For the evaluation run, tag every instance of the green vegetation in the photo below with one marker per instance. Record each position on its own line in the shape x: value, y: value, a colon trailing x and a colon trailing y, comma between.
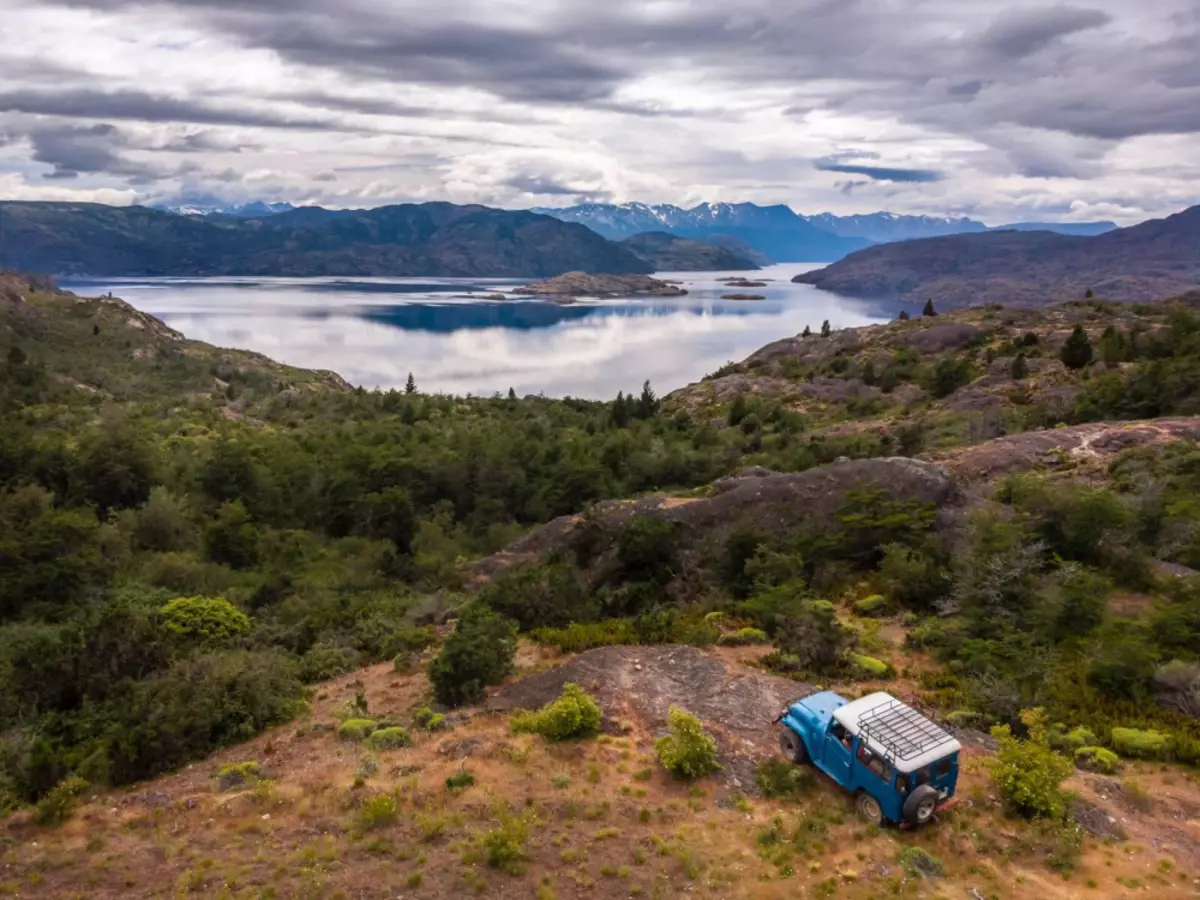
x: 460, y: 781
x: 575, y: 714
x: 1097, y: 759
x: 917, y: 862
x: 58, y: 803
x: 391, y: 738
x: 778, y: 778
x: 479, y: 652
x: 236, y: 775
x: 1139, y: 744
x: 688, y: 751
x: 743, y: 636
x: 1027, y: 772
x: 356, y: 729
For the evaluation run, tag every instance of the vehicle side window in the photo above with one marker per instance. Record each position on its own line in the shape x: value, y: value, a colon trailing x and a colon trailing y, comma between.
x: 923, y: 775
x: 943, y: 768
x: 839, y: 732
x: 874, y: 763
x: 902, y: 784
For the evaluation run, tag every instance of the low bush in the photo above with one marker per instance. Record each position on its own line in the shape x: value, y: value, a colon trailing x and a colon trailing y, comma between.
x: 1028, y: 773
x: 575, y: 714
x: 207, y: 620
x: 688, y: 751
x: 356, y: 729
x: 237, y: 775
x: 1097, y: 759
x: 778, y: 778
x: 870, y: 667
x: 505, y: 844
x: 743, y: 636
x: 378, y: 811
x: 1061, y: 739
x: 918, y: 861
x: 460, y: 781
x: 1138, y: 744
x: 56, y: 807
x: 580, y: 636
x: 427, y: 719
x: 388, y: 738
x: 873, y: 606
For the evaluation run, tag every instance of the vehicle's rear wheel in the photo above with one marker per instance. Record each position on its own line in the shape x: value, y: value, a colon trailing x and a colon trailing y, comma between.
x: 869, y: 808
x: 920, y: 805
x: 791, y: 746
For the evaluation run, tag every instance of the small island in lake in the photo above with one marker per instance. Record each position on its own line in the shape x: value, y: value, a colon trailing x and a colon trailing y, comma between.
x: 566, y: 287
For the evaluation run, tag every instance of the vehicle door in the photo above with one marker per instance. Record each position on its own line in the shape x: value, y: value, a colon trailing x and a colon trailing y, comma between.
x: 837, y: 752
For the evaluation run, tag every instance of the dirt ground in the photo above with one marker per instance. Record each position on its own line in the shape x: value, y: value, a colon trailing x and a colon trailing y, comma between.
x: 601, y: 818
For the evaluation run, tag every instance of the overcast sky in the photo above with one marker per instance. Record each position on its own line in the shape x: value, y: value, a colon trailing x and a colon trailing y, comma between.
x: 1016, y: 110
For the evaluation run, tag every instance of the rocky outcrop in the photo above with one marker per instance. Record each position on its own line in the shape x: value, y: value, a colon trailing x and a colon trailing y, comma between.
x: 773, y: 503
x: 582, y: 284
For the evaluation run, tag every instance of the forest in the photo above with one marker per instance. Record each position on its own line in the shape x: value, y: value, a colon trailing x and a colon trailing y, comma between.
x: 190, y: 539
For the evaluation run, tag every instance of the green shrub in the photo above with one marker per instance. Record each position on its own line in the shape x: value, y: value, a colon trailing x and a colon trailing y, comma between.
x: 1028, y: 773
x: 356, y: 729
x: 580, y: 636
x: 205, y: 620
x: 743, y: 636
x: 966, y: 718
x: 574, y: 714
x: 56, y: 807
x: 1138, y: 744
x: 918, y: 861
x: 505, y: 844
x: 870, y: 667
x: 460, y: 781
x: 779, y: 778
x: 1097, y: 759
x: 873, y: 606
x: 237, y: 775
x: 478, y: 652
x: 1061, y: 739
x: 427, y: 719
x: 688, y: 751
x: 378, y: 811
x: 324, y: 661
x: 388, y: 738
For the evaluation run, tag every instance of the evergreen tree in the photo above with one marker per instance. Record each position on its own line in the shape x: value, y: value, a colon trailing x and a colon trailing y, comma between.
x: 868, y: 373
x: 1020, y: 368
x: 1077, y: 351
x: 807, y: 332
x: 826, y: 330
x: 1113, y: 346
x: 929, y: 310
x: 621, y: 413
x: 512, y: 395
x: 410, y: 386
x: 1089, y: 294
x: 648, y: 403
x: 904, y: 316
x: 738, y: 410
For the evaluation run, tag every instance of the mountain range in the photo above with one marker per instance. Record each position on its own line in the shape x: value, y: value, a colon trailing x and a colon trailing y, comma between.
x: 410, y: 239
x: 784, y: 235
x: 1149, y: 261
x: 212, y: 206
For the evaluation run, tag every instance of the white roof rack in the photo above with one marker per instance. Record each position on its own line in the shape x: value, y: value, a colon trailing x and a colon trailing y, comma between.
x: 895, y: 731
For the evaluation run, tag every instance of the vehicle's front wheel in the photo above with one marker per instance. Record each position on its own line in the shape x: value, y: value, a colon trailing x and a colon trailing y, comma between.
x: 869, y: 809
x: 792, y: 747
x: 920, y: 805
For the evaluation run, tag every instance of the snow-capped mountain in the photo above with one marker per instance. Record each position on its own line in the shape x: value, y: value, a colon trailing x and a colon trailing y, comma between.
x: 885, y: 227
x: 211, y: 206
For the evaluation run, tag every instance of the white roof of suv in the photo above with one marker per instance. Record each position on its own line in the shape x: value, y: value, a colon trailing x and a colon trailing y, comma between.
x: 897, y: 732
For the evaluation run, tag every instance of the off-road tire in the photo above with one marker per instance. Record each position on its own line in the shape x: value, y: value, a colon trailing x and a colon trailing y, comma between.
x: 792, y: 746
x: 920, y: 805
x: 869, y: 809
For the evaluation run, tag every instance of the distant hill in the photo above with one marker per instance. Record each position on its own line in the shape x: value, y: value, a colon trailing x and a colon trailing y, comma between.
x: 780, y: 234
x: 1144, y: 262
x: 411, y: 239
x: 670, y: 253
x: 775, y: 231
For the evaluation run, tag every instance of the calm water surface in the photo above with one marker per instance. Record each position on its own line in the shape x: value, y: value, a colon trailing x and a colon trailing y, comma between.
x: 374, y: 331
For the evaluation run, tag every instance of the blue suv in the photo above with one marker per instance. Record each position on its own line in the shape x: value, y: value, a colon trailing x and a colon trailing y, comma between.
x: 900, y: 766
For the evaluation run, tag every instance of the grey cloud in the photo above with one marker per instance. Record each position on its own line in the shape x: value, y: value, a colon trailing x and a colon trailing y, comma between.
x: 541, y: 184
x: 1020, y: 32
x: 325, y: 176
x: 82, y: 103
x: 880, y: 173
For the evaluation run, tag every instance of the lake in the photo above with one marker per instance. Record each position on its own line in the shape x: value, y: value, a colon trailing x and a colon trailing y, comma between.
x: 374, y: 331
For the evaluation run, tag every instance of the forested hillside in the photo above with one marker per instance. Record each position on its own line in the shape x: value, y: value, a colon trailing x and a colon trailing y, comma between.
x: 190, y: 536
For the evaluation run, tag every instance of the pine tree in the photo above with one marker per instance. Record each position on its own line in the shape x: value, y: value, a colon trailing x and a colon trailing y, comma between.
x: 1089, y: 294
x: 807, y: 332
x: 647, y: 404
x: 868, y: 372
x: 904, y: 316
x: 620, y: 411
x: 410, y: 386
x: 1020, y: 368
x: 826, y: 330
x: 929, y: 310
x: 738, y: 410
x: 512, y: 395
x: 1077, y: 351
